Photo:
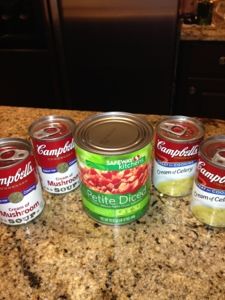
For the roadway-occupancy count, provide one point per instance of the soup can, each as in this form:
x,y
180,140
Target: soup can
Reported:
x,y
21,198
208,196
114,158
53,143
176,148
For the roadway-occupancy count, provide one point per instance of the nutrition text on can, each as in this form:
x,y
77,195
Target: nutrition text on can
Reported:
x,y
176,148
208,196
53,142
21,198
114,157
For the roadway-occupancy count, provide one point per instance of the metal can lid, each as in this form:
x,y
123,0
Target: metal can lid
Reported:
x,y
13,151
213,150
180,129
52,128
113,133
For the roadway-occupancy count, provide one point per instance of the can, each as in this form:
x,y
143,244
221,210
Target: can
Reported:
x,y
208,196
114,158
21,198
52,138
176,148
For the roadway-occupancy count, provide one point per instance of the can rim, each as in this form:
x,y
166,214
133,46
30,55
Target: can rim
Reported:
x,y
7,141
202,152
84,125
50,118
195,121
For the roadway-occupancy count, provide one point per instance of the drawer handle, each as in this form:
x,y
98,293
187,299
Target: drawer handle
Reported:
x,y
222,60
192,90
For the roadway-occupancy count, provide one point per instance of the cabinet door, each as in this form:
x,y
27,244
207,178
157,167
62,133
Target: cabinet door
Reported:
x,y
201,79
27,79
206,59
202,97
117,52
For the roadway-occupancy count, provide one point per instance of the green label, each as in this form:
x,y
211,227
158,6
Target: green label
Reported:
x,y
114,162
114,200
117,209
115,189
117,165
116,215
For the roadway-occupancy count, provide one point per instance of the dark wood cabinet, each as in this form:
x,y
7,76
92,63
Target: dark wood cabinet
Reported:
x,y
29,74
27,78
201,79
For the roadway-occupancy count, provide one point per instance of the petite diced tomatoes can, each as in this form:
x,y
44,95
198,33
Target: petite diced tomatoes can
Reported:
x,y
208,196
114,158
176,149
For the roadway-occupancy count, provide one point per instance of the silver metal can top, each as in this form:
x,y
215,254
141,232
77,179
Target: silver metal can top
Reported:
x,y
113,133
52,128
213,150
13,151
180,129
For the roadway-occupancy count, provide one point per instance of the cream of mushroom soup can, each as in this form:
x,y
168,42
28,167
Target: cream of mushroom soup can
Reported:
x,y
21,198
53,143
114,157
208,196
177,140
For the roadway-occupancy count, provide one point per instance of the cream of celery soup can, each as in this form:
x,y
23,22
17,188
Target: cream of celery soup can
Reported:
x,y
208,196
114,157
176,148
21,198
53,143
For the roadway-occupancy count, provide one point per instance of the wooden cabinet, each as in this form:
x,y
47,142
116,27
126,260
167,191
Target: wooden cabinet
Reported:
x,y
28,68
27,78
201,79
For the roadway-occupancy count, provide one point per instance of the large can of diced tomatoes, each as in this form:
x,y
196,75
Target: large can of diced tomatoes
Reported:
x,y
52,138
21,198
114,157
176,148
208,196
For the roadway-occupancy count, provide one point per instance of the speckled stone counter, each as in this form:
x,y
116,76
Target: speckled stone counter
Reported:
x,y
202,33
167,254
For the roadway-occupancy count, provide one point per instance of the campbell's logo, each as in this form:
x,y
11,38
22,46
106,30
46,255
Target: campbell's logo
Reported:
x,y
19,175
177,152
42,149
209,175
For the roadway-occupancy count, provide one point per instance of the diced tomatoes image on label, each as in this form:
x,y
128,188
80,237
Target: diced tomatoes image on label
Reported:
x,y
115,182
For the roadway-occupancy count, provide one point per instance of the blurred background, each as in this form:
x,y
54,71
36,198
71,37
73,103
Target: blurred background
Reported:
x,y
162,57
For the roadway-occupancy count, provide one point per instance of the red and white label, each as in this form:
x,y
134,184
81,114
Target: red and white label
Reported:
x,y
57,164
168,151
210,176
22,175
20,193
50,153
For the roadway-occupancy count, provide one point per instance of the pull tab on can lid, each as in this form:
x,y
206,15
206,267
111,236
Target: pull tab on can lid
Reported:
x,y
176,129
46,132
219,157
13,154
180,129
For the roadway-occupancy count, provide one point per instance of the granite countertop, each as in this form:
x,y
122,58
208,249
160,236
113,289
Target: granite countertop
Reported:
x,y
167,254
202,33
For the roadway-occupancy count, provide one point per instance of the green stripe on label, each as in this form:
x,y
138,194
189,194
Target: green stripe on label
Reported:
x,y
118,165
114,162
116,221
115,213
115,200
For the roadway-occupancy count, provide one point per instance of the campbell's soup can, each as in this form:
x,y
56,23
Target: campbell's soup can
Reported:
x,y
114,157
177,140
53,142
208,196
21,198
